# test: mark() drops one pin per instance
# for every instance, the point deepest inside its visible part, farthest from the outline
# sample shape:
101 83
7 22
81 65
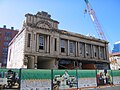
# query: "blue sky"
70 14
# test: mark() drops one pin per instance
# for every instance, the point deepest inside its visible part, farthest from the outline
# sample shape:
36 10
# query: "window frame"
62 46
41 42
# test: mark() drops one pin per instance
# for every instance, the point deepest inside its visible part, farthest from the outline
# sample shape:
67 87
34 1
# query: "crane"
95 21
99 30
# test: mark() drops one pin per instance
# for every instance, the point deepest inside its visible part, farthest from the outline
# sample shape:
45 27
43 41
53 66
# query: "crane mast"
95 21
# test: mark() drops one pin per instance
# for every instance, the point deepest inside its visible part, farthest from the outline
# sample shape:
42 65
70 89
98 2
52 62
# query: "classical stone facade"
40 44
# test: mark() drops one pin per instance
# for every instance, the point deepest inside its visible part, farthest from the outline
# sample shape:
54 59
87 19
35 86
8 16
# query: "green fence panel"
86 78
1 73
116 76
86 73
35 79
64 79
35 74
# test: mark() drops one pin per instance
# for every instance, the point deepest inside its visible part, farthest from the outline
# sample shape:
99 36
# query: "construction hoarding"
116 76
64 79
44 79
86 78
9 78
35 79
104 77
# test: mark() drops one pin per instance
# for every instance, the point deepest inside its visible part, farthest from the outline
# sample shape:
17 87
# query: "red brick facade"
6 35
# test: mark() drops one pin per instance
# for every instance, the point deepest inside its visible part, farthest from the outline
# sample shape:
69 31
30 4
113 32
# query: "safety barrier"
44 79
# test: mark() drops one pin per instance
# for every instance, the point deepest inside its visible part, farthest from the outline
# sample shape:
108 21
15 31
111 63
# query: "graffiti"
104 77
39 79
64 81
9 79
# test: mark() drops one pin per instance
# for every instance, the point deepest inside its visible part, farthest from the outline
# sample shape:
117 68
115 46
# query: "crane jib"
86 1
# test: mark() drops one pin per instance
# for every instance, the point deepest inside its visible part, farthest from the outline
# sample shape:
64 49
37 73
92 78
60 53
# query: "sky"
70 14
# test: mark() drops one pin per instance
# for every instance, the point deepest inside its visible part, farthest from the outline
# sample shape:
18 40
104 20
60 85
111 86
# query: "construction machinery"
114 60
95 20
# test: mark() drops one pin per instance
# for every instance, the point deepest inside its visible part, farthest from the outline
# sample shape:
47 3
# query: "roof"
116 54
8 29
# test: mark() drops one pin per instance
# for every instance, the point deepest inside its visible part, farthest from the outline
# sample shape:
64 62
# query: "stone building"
40 44
114 61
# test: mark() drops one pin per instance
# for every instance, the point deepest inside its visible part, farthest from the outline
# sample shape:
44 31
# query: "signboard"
64 79
116 76
104 77
35 79
86 78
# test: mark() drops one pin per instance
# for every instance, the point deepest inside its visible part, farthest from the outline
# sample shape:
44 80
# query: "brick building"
6 35
40 44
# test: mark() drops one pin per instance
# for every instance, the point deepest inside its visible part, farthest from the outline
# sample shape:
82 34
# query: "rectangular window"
6 43
87 49
72 47
28 42
102 52
8 34
55 44
8 38
81 48
41 42
5 50
62 46
96 51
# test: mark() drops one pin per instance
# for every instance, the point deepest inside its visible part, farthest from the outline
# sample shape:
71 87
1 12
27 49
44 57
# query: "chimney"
12 28
4 26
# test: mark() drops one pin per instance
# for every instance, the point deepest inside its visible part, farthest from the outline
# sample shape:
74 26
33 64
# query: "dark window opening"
88 50
55 44
101 52
28 43
62 49
41 47
81 48
95 54
87 53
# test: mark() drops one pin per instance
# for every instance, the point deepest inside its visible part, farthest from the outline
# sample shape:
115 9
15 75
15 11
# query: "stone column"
99 56
94 50
34 42
91 47
37 42
85 51
51 45
106 53
68 48
76 49
35 62
30 62
55 64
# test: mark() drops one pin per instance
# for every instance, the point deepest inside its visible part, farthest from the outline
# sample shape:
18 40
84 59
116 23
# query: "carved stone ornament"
44 24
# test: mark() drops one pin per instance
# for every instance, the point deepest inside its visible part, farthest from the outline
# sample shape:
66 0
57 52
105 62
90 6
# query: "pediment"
44 24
